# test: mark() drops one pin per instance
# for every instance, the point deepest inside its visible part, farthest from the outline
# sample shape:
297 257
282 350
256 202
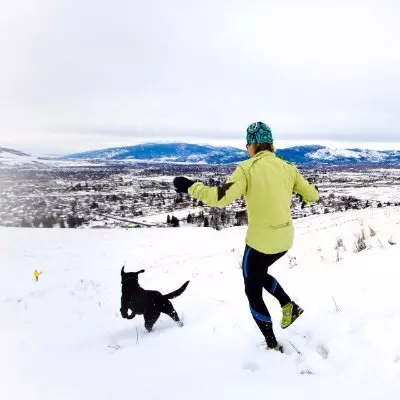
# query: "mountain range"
192 153
204 154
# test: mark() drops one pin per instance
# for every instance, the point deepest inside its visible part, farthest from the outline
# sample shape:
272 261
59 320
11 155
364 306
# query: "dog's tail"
178 292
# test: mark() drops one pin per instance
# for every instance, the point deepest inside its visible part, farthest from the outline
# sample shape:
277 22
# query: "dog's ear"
123 271
140 272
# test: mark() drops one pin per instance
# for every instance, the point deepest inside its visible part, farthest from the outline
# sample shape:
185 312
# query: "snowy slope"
167 152
15 158
5 152
332 154
203 154
191 153
63 337
336 156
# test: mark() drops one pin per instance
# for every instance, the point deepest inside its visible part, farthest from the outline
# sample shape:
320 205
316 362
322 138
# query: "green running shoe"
290 312
278 348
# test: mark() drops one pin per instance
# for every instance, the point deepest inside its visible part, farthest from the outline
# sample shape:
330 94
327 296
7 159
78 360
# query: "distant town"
134 195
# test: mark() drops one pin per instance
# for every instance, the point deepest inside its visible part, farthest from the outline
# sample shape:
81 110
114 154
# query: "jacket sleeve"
307 191
223 195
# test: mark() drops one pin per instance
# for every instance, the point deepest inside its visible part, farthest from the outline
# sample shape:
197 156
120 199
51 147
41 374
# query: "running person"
267 182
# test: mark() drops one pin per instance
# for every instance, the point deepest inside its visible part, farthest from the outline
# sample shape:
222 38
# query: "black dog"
148 303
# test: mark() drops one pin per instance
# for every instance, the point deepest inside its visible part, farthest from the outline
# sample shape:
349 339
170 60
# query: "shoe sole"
301 311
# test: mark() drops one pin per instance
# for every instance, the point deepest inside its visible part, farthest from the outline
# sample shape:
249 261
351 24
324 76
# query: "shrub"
359 241
339 245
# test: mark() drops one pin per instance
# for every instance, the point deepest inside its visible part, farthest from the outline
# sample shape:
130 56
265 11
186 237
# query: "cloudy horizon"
90 75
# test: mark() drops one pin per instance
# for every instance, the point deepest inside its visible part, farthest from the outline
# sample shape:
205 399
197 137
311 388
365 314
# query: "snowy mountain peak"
335 156
192 153
327 153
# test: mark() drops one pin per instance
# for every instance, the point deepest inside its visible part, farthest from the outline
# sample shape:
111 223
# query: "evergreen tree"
49 221
175 222
223 217
94 205
36 222
25 223
71 221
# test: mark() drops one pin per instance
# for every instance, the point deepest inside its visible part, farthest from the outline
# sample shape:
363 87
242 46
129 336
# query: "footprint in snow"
251 366
306 372
323 351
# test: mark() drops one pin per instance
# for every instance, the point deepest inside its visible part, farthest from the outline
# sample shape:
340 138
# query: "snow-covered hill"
335 156
190 153
4 152
168 152
16 158
63 337
204 154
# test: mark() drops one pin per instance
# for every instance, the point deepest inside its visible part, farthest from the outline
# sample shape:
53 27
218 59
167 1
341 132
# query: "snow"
63 337
14 158
162 217
328 153
9 159
371 193
331 154
174 153
373 155
108 155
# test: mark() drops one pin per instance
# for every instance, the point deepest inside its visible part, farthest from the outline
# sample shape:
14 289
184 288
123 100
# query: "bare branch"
337 308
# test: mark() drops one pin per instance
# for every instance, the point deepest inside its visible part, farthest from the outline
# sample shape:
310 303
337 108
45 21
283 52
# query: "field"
63 337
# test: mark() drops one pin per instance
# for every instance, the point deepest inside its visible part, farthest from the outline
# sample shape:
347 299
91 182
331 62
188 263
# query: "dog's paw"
127 313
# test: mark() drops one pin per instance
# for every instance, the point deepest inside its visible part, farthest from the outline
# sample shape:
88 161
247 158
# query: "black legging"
256 277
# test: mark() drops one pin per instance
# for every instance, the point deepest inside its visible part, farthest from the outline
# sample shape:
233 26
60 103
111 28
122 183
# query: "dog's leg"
124 308
132 315
168 308
150 319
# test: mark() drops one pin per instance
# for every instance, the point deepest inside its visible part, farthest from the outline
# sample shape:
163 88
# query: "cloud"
109 72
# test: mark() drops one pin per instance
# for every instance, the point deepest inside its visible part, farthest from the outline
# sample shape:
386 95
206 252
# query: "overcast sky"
85 74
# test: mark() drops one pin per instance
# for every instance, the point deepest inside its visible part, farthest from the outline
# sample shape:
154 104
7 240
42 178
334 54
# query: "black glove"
303 203
182 184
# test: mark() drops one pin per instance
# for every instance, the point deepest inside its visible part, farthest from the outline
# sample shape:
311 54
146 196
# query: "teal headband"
259 133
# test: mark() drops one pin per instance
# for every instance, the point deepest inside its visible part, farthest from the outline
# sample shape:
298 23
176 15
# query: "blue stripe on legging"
246 256
260 316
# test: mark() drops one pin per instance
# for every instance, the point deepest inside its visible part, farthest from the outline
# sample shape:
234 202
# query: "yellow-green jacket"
267 182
